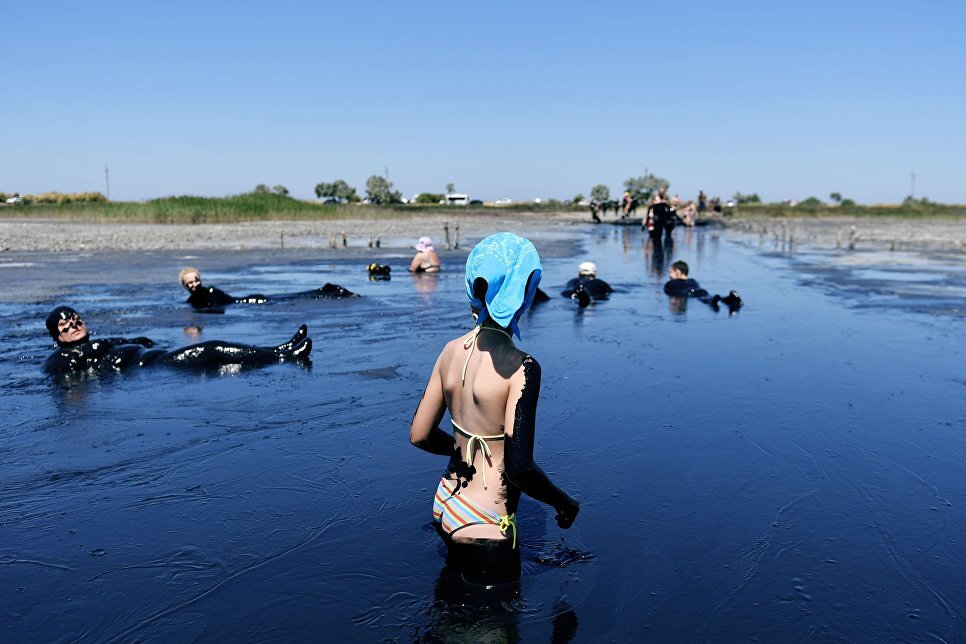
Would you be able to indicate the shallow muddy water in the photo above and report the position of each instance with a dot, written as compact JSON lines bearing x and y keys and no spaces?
{"x":792,"y":472}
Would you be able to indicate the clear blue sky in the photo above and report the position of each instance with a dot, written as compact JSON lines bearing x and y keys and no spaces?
{"x":520,"y":100}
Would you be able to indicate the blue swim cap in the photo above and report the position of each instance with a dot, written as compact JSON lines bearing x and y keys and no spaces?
{"x":506,"y":261}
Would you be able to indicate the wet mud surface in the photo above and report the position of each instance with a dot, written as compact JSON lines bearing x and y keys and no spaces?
{"x":795,"y":471}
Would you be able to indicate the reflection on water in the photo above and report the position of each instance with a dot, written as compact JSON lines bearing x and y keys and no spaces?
{"x":794,"y":469}
{"x":425,"y":283}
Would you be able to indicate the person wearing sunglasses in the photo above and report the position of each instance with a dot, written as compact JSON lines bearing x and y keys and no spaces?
{"x":78,"y":352}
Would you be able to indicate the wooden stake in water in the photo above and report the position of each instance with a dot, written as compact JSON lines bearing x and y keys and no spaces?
{"x":446,"y":233}
{"x":457,"y":245}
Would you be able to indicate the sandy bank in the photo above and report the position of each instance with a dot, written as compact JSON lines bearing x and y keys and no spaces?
{"x":865,"y":233}
{"x":399,"y":232}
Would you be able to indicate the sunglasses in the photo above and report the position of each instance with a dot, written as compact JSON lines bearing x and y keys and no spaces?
{"x":73,"y":323}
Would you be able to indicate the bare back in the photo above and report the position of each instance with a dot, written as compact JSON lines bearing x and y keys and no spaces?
{"x":479,"y":405}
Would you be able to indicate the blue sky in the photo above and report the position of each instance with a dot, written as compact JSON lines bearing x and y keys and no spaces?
{"x":519,"y":100}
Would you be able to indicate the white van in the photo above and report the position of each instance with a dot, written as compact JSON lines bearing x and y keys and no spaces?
{"x":457,"y":200}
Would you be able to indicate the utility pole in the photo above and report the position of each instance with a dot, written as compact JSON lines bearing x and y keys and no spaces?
{"x":107,"y":182}
{"x":912,"y":189}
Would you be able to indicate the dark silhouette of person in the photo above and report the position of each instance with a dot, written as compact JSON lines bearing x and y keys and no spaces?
{"x":586,"y":287}
{"x":682,"y":286}
{"x":213,"y":299}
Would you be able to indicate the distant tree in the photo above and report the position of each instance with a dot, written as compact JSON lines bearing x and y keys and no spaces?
{"x":280,"y":190}
{"x":262,"y":189}
{"x":847,"y":203}
{"x":379,"y":190}
{"x":576,"y":200}
{"x":600,"y":192}
{"x":450,"y":188}
{"x":338,"y":189}
{"x":811,"y":202}
{"x":752,"y":198}
{"x":641,"y":188}
{"x":836,"y":197}
{"x":428,"y":198}
{"x":912,"y":202}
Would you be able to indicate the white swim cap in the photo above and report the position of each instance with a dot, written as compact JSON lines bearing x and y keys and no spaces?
{"x":587,"y":268}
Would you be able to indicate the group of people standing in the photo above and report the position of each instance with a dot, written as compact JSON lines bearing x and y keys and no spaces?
{"x":662,"y":211}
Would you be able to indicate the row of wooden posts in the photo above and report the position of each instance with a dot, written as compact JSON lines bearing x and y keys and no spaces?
{"x":377,"y":241}
{"x":846,"y":237}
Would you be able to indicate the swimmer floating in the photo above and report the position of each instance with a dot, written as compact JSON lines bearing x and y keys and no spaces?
{"x":204,"y":298}
{"x":77,"y":352}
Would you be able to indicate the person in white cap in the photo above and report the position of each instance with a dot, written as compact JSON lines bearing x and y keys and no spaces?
{"x":586,"y":287}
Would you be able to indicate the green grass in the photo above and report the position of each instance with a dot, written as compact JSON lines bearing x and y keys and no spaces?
{"x":237,"y":208}
{"x":182,"y":210}
{"x":268,"y":206}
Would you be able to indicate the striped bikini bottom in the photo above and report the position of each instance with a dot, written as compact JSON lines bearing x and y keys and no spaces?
{"x":454,"y":511}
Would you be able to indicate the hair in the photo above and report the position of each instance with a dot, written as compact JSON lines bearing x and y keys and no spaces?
{"x":681,"y":266}
{"x":185,"y":271}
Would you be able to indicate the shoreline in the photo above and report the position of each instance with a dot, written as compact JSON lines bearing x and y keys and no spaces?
{"x":24,"y":236}
{"x":69,"y":236}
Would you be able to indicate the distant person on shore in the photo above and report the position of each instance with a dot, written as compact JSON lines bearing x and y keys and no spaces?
{"x":660,"y":218}
{"x":490,"y":389}
{"x":586,"y":287}
{"x":682,"y":286}
{"x":627,"y":205}
{"x":77,"y":352}
{"x":426,"y":259}
{"x":702,"y":202}
{"x":211,"y":298}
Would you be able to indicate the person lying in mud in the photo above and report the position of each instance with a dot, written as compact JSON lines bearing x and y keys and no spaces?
{"x":586,"y":288}
{"x":490,"y":389}
{"x":77,"y":352}
{"x":426,"y":260}
{"x":213,"y":298}
{"x":680,"y":285}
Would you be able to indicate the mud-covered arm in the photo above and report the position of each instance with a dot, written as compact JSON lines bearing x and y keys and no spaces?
{"x":147,"y":343}
{"x":520,"y":424}
{"x":425,"y":432}
{"x":254,"y":298}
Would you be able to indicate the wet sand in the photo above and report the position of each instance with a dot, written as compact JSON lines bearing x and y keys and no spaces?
{"x":17,"y":235}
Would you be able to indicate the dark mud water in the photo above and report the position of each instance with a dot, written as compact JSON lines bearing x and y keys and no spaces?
{"x":795,"y":472}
